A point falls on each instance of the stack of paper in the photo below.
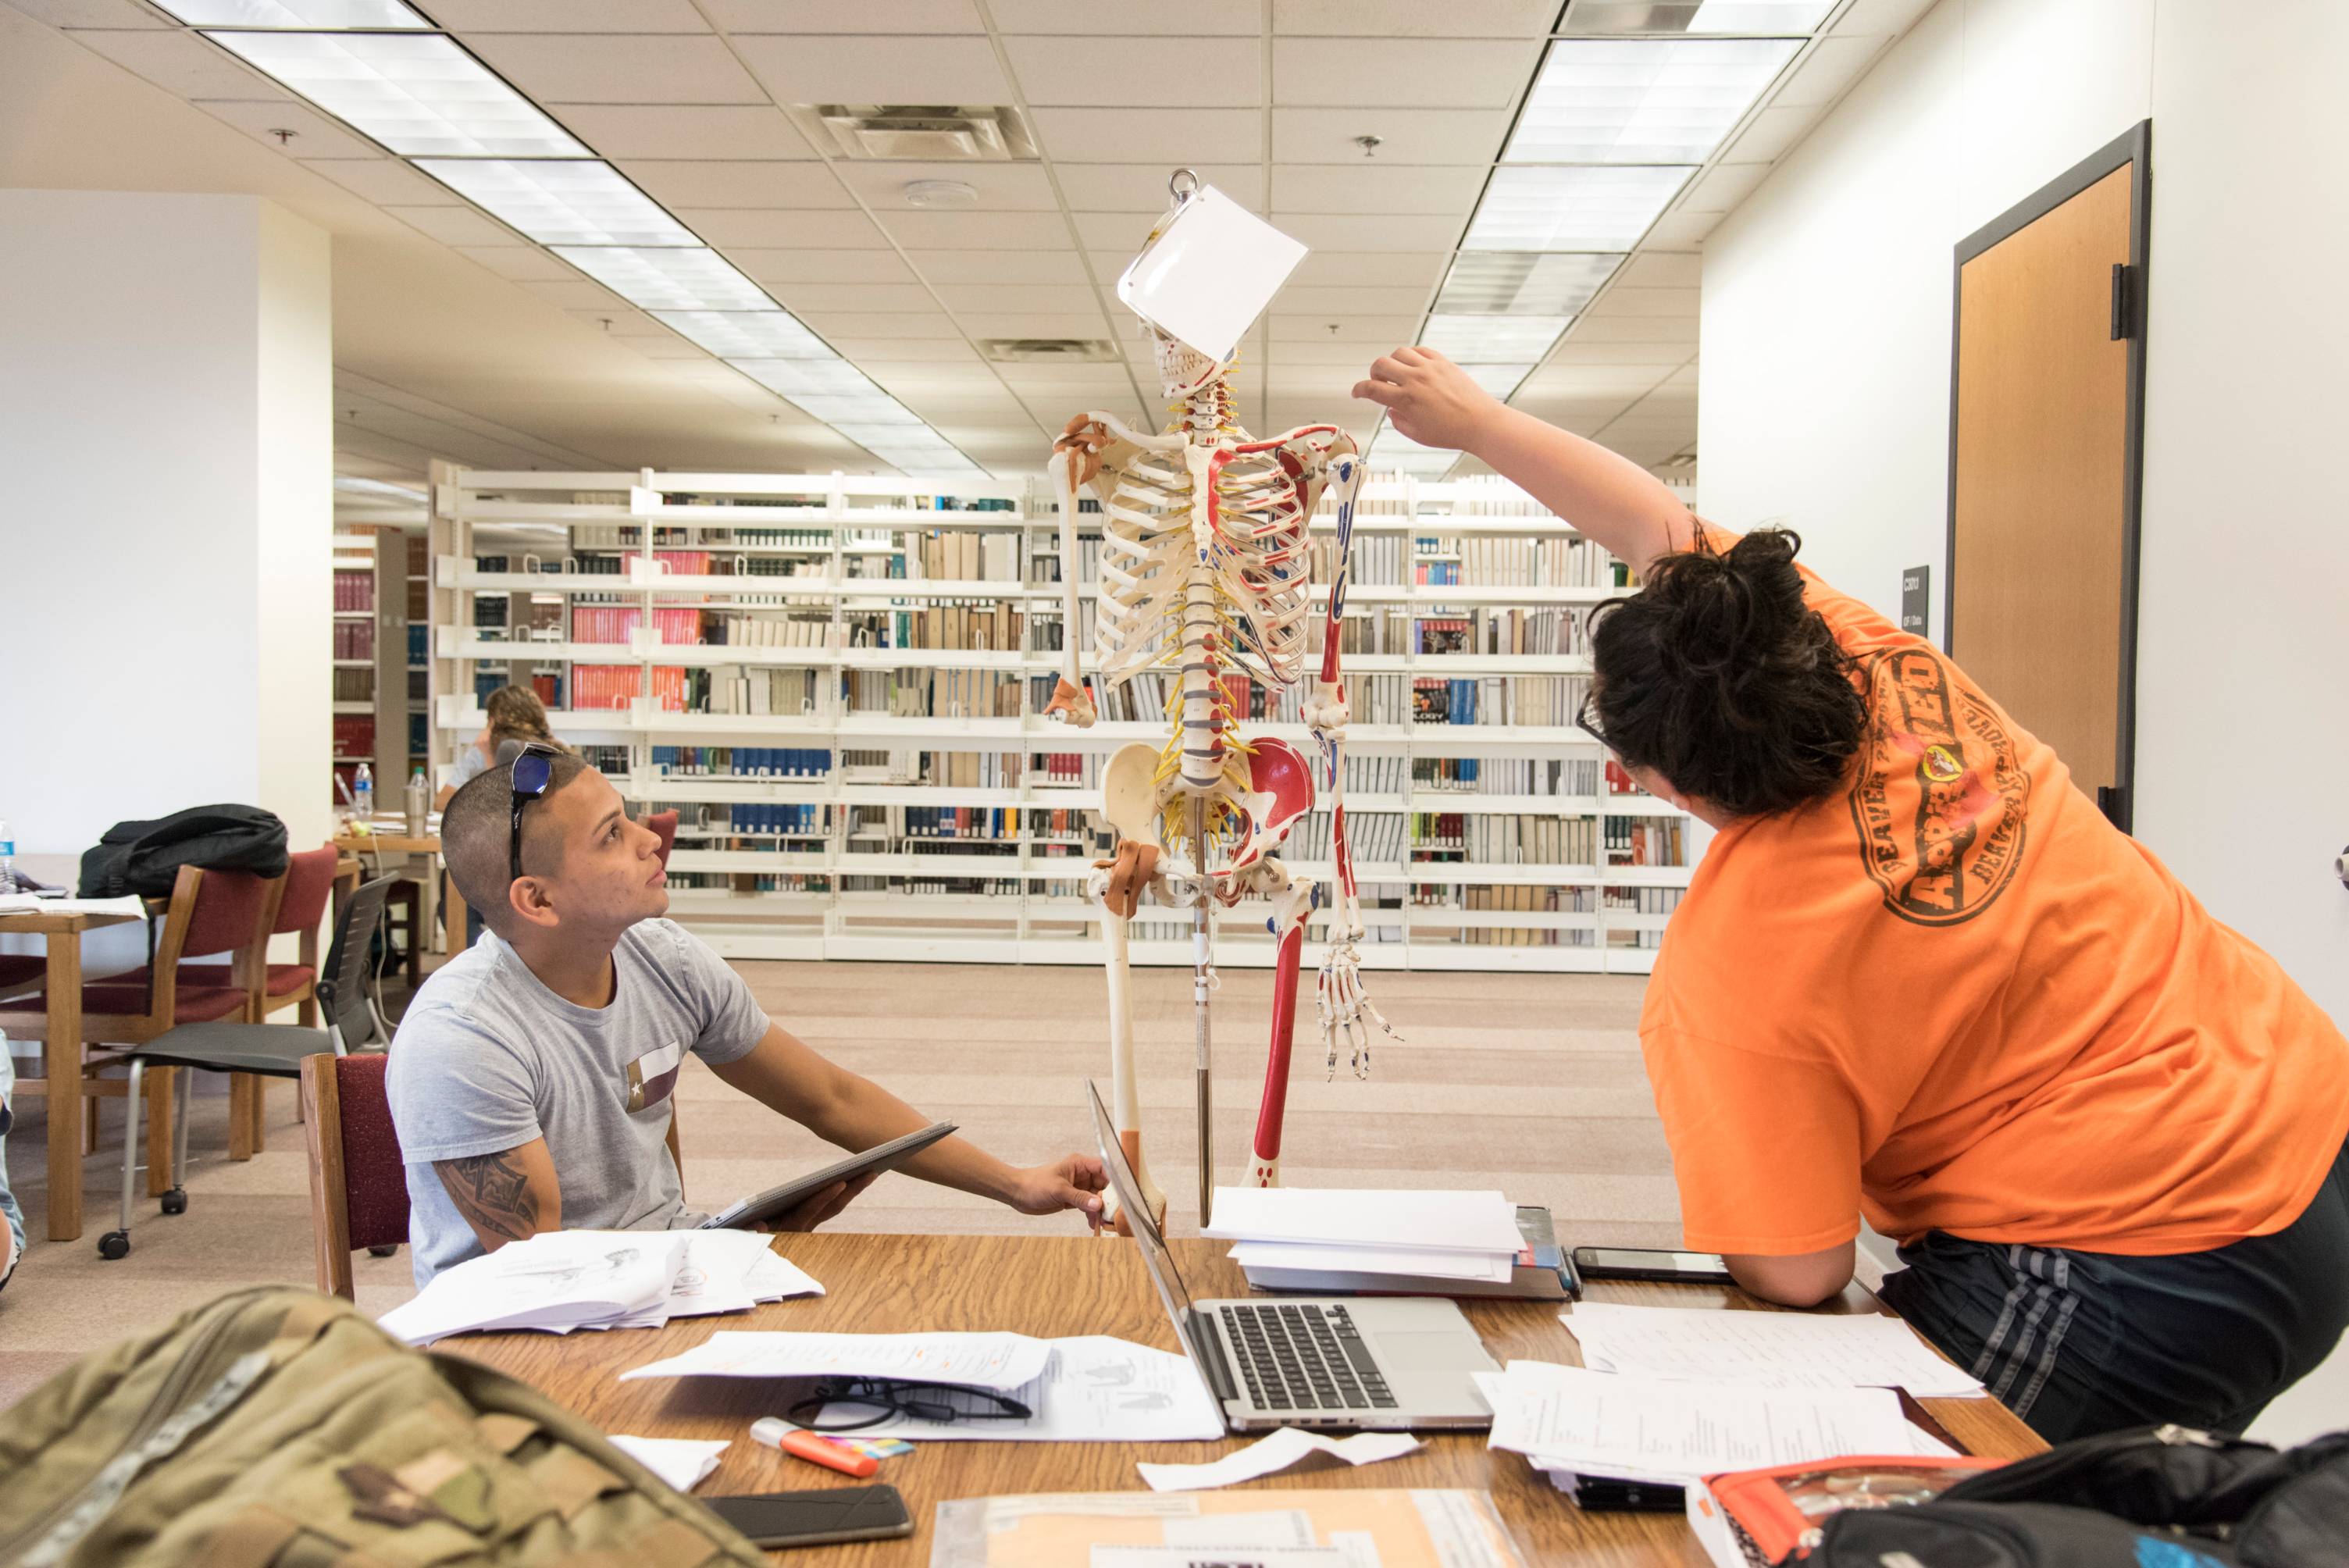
(1403, 1235)
(1779, 1349)
(557, 1281)
(1570, 1421)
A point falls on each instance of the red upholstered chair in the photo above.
(359, 1183)
(21, 972)
(664, 824)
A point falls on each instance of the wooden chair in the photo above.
(209, 912)
(269, 1050)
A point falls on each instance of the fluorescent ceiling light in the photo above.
(1500, 380)
(1493, 339)
(1642, 100)
(293, 12)
(416, 93)
(911, 437)
(561, 202)
(1532, 207)
(748, 333)
(1780, 16)
(1524, 283)
(841, 409)
(792, 378)
(667, 277)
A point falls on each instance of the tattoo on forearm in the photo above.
(492, 1191)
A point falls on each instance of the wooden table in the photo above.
(60, 1083)
(1061, 1285)
(391, 838)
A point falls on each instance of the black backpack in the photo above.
(2164, 1497)
(145, 858)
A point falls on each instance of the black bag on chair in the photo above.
(145, 858)
(2159, 1497)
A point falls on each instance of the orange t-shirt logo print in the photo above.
(1939, 799)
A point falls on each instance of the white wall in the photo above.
(1824, 385)
(166, 464)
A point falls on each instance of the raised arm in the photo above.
(1631, 514)
(507, 1195)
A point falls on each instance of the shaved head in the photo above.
(476, 833)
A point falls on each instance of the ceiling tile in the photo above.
(1834, 63)
(977, 231)
(91, 12)
(1366, 268)
(936, 350)
(601, 68)
(1621, 300)
(383, 181)
(1370, 230)
(1637, 329)
(1309, 297)
(840, 324)
(1073, 319)
(1774, 131)
(799, 230)
(1681, 229)
(1349, 359)
(624, 324)
(822, 266)
(1119, 233)
(671, 346)
(1385, 331)
(1416, 18)
(1662, 269)
(1407, 135)
(831, 17)
(1720, 188)
(1153, 136)
(667, 131)
(1216, 18)
(455, 225)
(568, 16)
(1367, 185)
(1410, 73)
(183, 62)
(770, 182)
(869, 70)
(1001, 187)
(577, 293)
(1591, 383)
(1661, 357)
(805, 297)
(1142, 187)
(314, 135)
(519, 262)
(1879, 17)
(1063, 267)
(966, 378)
(1000, 297)
(1100, 71)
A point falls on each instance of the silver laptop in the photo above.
(1388, 1362)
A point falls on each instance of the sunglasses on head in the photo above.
(534, 773)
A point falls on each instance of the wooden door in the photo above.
(2047, 406)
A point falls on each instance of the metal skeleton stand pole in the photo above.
(1201, 937)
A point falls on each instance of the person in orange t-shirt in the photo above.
(1919, 978)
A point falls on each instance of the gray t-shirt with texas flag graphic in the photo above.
(488, 1058)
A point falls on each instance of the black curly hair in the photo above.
(1719, 677)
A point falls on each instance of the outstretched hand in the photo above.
(1428, 399)
(1075, 1182)
(819, 1206)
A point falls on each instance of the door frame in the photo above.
(2132, 148)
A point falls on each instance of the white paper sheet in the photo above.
(26, 904)
(1276, 1452)
(683, 1462)
(1000, 1361)
(557, 1280)
(1495, 1268)
(1222, 1557)
(729, 1271)
(1416, 1219)
(1606, 1423)
(1092, 1388)
(1781, 1349)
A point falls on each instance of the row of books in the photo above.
(1492, 840)
(1379, 559)
(922, 693)
(354, 590)
(1646, 841)
(1480, 561)
(747, 882)
(1545, 631)
(354, 735)
(740, 761)
(764, 820)
(1526, 900)
(962, 554)
(354, 685)
(355, 639)
(1526, 700)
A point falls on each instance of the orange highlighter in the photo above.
(800, 1443)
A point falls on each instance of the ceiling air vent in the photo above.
(932, 133)
(1048, 350)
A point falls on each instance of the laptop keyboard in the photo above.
(1296, 1357)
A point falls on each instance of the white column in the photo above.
(166, 487)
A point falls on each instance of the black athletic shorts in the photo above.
(2076, 1342)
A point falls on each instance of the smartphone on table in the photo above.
(1642, 1263)
(817, 1518)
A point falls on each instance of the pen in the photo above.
(797, 1441)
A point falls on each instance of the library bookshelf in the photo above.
(838, 682)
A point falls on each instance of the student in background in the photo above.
(515, 717)
(1919, 978)
(11, 1218)
(531, 1080)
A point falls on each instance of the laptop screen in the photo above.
(1155, 1256)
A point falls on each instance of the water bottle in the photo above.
(419, 802)
(363, 792)
(7, 859)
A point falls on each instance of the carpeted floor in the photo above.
(1529, 1083)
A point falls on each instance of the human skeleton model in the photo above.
(1204, 570)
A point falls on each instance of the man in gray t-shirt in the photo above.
(531, 1080)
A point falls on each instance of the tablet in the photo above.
(776, 1201)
